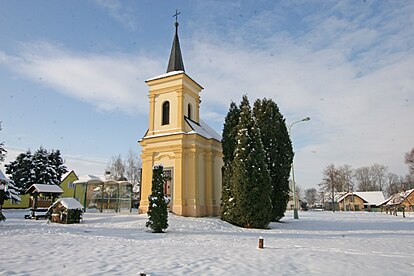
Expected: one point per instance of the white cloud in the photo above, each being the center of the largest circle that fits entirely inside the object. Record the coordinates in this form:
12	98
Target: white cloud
119	11
351	74
113	81
354	80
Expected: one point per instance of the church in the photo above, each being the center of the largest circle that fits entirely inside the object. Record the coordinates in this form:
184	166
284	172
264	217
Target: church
189	150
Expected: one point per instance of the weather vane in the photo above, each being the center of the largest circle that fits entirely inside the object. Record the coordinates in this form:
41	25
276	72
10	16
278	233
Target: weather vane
176	17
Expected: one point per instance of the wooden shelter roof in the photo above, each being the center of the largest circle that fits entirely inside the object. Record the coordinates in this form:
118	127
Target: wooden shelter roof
45	188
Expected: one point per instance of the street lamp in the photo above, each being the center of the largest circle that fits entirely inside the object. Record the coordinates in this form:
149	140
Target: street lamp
295	210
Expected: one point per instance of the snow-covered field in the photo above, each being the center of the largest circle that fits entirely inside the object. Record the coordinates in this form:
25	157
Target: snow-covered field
120	244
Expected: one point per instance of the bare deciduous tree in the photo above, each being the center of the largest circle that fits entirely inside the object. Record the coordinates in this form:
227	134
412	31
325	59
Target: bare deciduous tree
310	196
132	167
128	169
371	178
378	175
346	175
393	185
116	168
409	160
363	179
331	182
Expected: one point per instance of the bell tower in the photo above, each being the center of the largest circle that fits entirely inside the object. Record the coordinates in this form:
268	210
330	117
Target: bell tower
189	150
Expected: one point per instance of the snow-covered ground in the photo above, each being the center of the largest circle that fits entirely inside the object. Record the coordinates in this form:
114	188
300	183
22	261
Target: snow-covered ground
120	244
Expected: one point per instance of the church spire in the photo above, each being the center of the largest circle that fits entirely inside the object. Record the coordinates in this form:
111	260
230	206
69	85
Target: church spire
176	60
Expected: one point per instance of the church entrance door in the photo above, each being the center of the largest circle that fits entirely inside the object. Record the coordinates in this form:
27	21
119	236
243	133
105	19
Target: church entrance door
168	185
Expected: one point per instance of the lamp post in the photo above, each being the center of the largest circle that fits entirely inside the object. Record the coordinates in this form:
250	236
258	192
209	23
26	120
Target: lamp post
295	210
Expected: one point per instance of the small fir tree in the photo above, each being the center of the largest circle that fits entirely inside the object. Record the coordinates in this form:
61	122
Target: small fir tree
279	152
250	178
228	144
157	209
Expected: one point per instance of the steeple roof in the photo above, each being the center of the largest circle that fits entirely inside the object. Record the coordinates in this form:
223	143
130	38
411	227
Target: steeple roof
176	60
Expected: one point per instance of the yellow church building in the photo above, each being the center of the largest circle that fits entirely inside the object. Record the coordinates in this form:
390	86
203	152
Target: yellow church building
189	150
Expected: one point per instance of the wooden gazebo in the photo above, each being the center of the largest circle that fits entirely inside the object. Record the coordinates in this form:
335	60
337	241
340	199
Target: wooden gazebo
42	196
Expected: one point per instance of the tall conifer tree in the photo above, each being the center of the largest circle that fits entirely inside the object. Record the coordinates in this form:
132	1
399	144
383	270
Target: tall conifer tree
21	171
40	167
279	153
157	209
250	179
228	143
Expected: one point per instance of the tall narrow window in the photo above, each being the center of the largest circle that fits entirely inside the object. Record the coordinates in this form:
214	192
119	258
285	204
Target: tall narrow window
189	111
166	113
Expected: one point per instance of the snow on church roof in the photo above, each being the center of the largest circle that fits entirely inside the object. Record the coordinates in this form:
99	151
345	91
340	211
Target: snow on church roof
203	129
172	73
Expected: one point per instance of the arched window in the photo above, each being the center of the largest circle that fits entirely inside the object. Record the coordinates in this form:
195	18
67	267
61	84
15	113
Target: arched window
166	113
189	111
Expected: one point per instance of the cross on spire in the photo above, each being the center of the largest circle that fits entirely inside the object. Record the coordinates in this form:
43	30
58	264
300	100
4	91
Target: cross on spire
176	16
176	60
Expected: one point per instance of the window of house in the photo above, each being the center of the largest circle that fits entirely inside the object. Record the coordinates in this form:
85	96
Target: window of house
166	113
189	111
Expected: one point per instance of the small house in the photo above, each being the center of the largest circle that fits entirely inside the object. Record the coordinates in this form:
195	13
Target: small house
403	200
68	186
65	210
330	201
361	201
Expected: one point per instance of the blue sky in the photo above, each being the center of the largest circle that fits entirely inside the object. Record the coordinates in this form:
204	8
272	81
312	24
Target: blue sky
72	74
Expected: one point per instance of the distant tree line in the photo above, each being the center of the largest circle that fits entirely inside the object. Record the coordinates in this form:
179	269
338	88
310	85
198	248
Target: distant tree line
367	178
257	159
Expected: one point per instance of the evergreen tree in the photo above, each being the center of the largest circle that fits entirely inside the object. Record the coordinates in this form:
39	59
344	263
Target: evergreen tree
21	171
2	150
228	144
56	161
157	209
41	167
12	191
250	180
279	152
228	140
